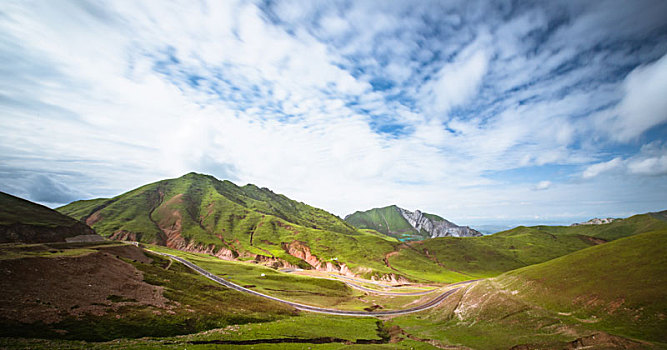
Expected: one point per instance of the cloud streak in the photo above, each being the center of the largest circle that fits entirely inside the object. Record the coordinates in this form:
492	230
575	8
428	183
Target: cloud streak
464	109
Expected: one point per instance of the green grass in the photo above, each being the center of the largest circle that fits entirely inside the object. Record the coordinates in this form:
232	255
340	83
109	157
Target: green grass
387	220
246	220
12	252
453	259
483	317
315	291
617	287
251	221
343	331
302	289
615	230
621	285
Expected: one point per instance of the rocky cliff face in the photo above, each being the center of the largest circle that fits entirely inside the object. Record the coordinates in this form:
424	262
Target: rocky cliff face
596	221
436	228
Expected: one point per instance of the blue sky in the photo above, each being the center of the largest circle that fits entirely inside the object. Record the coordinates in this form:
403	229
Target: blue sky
483	112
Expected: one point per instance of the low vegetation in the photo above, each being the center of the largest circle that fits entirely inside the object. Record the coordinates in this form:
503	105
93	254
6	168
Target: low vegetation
606	296
478	257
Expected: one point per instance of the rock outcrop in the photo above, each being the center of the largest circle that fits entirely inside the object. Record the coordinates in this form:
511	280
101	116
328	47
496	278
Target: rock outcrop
596	221
436	228
302	251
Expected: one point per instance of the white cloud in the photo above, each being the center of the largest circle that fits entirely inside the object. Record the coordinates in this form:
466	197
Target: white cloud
458	81
644	104
599	168
649	166
106	90
651	160
542	185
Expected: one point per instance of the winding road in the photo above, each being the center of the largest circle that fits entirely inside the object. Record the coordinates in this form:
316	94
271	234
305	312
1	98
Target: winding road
432	303
374	291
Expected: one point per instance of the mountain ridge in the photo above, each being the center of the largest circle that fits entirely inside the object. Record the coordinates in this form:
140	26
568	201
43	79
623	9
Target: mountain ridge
403	224
199	213
27	222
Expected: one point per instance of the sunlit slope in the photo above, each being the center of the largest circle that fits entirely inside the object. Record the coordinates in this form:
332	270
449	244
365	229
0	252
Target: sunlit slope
387	220
473	257
617	229
200	213
209	202
620	286
608	296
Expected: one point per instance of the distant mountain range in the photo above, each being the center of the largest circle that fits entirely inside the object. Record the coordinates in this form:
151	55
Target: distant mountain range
407	225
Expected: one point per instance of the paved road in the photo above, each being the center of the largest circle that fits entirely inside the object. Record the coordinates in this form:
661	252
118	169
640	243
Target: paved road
436	301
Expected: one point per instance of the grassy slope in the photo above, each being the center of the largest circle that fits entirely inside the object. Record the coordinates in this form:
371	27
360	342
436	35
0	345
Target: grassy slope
387	220
615	230
200	192
487	256
15	210
617	287
621	285
305	331
242	219
196	304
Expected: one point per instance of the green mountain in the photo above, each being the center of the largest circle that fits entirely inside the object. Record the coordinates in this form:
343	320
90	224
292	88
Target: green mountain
407	225
28	222
199	213
387	220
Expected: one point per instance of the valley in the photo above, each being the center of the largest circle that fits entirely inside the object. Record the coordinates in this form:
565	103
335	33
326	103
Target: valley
197	262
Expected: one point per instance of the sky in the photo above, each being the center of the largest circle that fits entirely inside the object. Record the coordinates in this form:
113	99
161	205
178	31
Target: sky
483	112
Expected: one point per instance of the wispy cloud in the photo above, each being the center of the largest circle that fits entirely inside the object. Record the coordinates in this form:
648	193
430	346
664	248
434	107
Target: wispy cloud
345	105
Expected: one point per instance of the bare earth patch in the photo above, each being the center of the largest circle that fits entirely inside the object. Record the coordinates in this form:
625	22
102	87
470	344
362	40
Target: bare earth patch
48	290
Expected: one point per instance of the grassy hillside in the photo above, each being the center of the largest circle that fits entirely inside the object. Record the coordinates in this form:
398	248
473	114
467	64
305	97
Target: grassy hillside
204	198
130	295
458	259
387	220
608	296
25	221
15	210
615	230
106	291
618	286
200	213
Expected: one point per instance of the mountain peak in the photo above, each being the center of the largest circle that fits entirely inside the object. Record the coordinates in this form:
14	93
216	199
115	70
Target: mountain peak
403	224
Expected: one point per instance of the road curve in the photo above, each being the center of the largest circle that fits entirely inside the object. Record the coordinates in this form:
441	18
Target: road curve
432	303
372	282
374	291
